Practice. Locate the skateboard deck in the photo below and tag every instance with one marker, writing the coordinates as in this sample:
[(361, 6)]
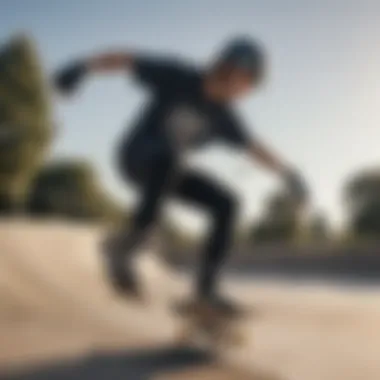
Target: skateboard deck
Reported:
[(200, 324)]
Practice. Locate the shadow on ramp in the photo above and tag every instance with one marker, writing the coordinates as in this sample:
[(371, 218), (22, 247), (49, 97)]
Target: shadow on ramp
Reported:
[(131, 365)]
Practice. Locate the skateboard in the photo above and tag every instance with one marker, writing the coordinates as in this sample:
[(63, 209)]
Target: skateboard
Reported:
[(201, 325)]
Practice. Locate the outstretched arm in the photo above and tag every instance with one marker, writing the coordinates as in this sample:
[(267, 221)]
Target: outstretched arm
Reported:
[(68, 79), (151, 71), (109, 62), (267, 158), (294, 181)]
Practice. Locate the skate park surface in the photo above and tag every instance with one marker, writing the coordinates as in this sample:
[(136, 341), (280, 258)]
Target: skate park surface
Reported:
[(60, 319)]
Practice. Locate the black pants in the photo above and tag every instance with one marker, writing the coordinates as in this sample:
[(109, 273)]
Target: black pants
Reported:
[(154, 167)]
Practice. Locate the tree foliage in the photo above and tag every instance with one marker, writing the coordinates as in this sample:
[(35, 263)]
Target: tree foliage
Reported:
[(318, 228), (280, 220), (25, 120), (72, 190), (362, 195)]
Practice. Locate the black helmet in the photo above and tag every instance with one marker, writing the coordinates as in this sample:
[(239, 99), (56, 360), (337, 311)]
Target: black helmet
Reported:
[(244, 53)]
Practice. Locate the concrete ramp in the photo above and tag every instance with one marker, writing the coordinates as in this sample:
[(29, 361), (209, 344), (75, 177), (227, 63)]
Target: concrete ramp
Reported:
[(56, 306), (60, 319)]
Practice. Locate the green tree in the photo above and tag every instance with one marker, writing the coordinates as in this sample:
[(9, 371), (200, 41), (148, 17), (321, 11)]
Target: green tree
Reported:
[(280, 220), (318, 229), (362, 196), (25, 121), (72, 190)]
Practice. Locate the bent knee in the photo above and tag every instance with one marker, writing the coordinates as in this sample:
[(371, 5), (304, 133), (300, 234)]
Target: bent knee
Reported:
[(226, 206)]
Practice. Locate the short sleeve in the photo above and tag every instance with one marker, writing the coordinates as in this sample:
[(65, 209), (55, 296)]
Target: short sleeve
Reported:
[(159, 74), (233, 131)]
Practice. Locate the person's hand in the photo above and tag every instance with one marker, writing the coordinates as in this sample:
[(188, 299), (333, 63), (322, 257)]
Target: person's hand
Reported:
[(68, 79), (296, 186)]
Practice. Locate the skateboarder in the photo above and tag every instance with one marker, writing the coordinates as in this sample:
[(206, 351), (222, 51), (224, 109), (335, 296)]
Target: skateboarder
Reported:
[(189, 107)]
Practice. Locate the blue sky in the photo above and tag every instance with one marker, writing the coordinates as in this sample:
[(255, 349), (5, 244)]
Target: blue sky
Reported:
[(319, 108)]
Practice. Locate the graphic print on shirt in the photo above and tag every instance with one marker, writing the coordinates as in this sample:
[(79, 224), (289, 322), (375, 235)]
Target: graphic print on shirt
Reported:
[(185, 125)]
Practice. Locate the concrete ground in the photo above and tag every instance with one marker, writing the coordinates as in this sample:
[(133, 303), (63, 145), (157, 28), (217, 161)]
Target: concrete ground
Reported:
[(59, 319)]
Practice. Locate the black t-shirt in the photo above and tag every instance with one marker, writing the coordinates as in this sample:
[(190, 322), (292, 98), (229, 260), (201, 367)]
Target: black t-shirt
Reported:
[(178, 113)]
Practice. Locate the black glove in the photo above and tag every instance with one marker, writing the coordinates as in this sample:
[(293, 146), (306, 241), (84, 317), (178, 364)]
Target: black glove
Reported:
[(68, 79), (296, 187)]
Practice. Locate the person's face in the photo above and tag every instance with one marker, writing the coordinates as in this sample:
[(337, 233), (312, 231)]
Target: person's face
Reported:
[(234, 84), (238, 84)]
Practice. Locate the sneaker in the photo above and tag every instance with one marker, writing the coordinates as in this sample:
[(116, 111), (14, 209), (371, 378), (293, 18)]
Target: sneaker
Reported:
[(214, 305), (223, 306), (120, 271)]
